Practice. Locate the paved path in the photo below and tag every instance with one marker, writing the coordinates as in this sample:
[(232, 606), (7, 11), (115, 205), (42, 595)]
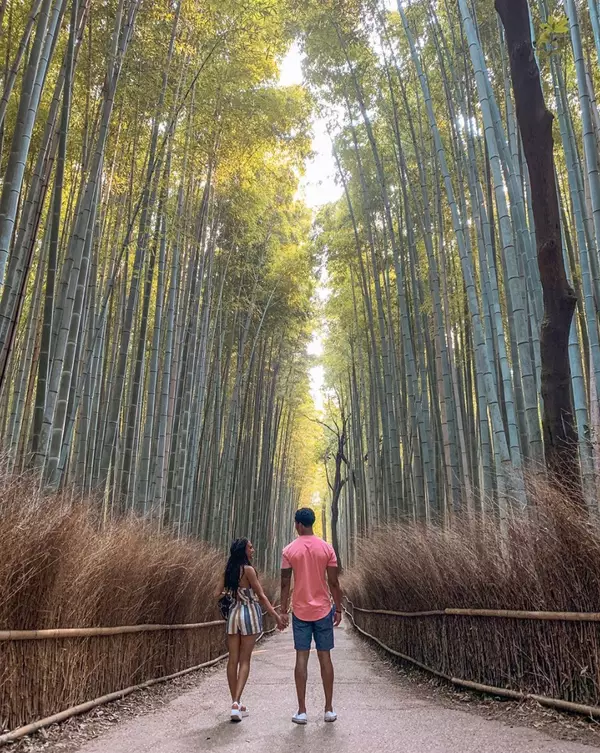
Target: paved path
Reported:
[(376, 715)]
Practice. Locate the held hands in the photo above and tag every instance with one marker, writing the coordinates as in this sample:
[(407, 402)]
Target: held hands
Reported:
[(281, 623)]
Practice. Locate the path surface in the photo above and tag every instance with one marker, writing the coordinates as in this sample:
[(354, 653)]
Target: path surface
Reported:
[(376, 715)]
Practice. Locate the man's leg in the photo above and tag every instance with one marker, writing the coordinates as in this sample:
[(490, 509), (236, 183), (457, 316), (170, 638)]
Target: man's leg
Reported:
[(324, 643), (327, 676), (303, 634), (301, 677)]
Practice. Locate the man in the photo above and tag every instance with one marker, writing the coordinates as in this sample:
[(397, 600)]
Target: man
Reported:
[(314, 565)]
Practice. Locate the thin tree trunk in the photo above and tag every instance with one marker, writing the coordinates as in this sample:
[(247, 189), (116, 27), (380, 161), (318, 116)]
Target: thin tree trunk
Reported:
[(535, 124)]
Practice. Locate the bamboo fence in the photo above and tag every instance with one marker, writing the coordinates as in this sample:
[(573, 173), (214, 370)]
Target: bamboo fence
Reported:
[(48, 675), (549, 657), (60, 633)]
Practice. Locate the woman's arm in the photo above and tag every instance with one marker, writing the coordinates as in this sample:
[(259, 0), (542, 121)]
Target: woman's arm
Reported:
[(221, 589), (258, 590)]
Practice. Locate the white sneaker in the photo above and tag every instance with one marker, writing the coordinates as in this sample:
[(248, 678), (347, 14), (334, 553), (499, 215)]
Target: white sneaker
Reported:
[(330, 716), (236, 713), (300, 719), (245, 711)]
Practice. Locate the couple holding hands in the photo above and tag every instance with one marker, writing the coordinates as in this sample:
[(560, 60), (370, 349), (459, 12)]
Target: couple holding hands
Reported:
[(313, 564)]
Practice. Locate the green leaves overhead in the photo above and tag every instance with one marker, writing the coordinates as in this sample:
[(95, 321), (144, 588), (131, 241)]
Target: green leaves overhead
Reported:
[(553, 36)]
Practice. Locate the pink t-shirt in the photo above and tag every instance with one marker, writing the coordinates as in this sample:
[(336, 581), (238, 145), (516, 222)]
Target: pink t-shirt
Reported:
[(309, 557)]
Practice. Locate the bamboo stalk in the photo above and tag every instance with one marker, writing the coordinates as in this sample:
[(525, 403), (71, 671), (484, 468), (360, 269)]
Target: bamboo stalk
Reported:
[(60, 633), (511, 614), (430, 613), (515, 614), (516, 695)]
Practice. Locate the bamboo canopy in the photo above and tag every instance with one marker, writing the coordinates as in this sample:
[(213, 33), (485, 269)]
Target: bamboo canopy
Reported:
[(155, 270), (439, 361)]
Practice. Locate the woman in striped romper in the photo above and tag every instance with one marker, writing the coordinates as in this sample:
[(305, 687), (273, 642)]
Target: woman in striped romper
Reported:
[(244, 623)]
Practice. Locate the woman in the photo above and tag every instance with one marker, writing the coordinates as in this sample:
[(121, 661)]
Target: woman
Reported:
[(244, 623)]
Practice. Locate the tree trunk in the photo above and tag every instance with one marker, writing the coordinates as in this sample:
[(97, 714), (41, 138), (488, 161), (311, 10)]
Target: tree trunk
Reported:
[(338, 484), (535, 123)]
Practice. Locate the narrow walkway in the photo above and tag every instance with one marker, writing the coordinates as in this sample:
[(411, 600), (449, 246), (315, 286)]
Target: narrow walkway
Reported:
[(376, 715)]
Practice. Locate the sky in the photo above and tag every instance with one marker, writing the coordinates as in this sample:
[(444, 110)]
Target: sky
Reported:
[(317, 187)]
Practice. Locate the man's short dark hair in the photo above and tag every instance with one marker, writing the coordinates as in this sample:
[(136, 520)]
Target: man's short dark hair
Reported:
[(306, 517)]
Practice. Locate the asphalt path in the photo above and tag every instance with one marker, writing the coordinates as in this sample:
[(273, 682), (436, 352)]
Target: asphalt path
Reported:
[(376, 713)]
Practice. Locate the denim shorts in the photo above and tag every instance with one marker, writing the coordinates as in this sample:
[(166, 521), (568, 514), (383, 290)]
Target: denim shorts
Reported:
[(321, 630)]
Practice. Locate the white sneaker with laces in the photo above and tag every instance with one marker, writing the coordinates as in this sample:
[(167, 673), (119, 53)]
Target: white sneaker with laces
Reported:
[(300, 718), (245, 711), (236, 713), (330, 716)]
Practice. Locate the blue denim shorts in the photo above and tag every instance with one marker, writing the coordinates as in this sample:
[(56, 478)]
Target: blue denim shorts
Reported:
[(320, 630)]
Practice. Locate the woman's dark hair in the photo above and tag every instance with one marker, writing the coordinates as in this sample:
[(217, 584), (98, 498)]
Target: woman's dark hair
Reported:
[(305, 516), (237, 560)]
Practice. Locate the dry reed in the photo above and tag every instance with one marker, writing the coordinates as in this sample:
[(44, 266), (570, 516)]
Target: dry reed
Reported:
[(60, 568), (547, 561)]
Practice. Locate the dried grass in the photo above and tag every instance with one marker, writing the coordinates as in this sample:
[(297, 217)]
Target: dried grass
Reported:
[(549, 561), (61, 568)]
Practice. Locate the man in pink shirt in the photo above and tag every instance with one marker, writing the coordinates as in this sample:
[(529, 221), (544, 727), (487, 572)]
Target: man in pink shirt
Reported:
[(315, 569)]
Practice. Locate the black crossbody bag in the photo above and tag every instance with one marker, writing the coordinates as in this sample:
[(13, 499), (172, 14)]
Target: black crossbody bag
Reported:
[(225, 603)]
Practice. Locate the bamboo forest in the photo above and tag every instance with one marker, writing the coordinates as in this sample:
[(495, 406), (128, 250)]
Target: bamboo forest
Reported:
[(258, 256), (164, 270)]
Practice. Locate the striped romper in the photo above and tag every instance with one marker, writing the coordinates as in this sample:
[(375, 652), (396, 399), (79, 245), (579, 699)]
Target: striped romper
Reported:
[(245, 616)]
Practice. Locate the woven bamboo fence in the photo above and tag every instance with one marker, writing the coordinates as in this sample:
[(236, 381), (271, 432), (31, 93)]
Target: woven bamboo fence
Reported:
[(44, 672), (553, 657)]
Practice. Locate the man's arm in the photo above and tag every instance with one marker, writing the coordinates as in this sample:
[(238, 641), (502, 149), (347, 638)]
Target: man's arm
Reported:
[(286, 583), (336, 591)]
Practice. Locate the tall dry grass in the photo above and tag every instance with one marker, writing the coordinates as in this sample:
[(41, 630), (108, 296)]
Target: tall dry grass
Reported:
[(59, 567), (547, 561)]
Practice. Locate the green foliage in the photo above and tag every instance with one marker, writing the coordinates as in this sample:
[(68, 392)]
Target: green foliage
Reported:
[(553, 36)]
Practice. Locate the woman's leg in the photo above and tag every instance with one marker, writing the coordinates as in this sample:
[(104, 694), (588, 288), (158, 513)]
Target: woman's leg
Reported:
[(246, 647), (233, 646)]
